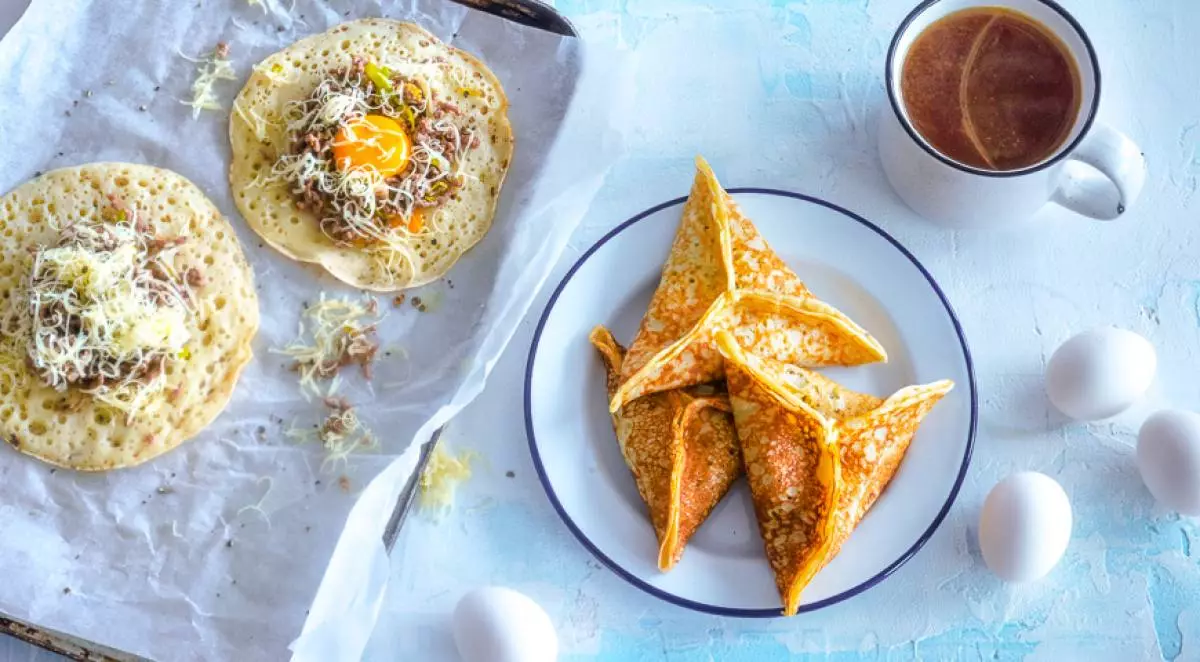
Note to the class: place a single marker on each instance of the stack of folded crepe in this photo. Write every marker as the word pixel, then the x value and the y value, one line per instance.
pixel 719 377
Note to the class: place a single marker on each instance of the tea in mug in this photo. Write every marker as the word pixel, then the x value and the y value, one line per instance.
pixel 991 88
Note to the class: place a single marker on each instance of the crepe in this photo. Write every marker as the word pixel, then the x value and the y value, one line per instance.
pixel 817 456
pixel 698 271
pixel 69 428
pixel 681 448
pixel 722 275
pixel 404 249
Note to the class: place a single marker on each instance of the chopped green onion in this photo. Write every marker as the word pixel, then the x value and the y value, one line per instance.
pixel 436 189
pixel 409 117
pixel 379 78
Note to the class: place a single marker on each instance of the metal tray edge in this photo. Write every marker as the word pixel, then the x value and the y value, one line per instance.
pixel 63 644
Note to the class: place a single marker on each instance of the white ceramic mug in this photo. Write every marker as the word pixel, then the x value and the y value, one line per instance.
pixel 959 195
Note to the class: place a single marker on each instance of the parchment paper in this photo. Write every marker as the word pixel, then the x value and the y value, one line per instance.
pixel 216 550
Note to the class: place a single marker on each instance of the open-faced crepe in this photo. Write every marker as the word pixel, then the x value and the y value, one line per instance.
pixel 372 149
pixel 817 456
pixel 681 448
pixel 129 313
pixel 721 274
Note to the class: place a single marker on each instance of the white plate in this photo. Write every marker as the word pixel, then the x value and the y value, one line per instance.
pixel 845 260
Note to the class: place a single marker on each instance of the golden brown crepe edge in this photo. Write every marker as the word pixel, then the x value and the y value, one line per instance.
pixel 790 588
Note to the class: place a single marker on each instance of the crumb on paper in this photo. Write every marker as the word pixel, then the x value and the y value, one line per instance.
pixel 429 303
pixel 510 474
pixel 433 301
pixel 442 476
pixel 344 483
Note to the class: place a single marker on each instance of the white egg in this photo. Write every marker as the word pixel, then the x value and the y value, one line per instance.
pixel 1100 373
pixel 1025 526
pixel 1168 456
pixel 495 624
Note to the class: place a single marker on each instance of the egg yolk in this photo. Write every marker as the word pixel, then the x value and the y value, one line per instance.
pixel 375 141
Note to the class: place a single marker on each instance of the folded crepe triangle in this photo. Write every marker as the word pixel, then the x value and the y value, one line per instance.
pixel 755 265
pixel 722 275
pixel 698 270
pixel 817 456
pixel 680 446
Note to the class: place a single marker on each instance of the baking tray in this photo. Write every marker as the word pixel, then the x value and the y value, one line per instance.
pixel 525 12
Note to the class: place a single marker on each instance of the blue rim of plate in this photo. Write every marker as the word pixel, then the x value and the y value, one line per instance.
pixel 717 609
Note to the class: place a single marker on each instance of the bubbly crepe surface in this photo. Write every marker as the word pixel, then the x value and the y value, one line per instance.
pixel 34 418
pixel 258 136
pixel 817 456
pixel 680 446
pixel 721 275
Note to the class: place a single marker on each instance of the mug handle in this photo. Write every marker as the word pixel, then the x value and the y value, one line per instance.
pixel 1121 166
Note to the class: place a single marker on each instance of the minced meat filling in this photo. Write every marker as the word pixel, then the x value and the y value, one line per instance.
pixel 436 130
pixel 96 304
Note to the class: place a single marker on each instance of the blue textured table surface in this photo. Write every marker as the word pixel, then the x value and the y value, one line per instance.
pixel 784 94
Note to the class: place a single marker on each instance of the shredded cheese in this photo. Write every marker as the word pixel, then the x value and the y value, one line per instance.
pixel 257 122
pixel 105 311
pixel 332 333
pixel 341 434
pixel 442 477
pixel 210 69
